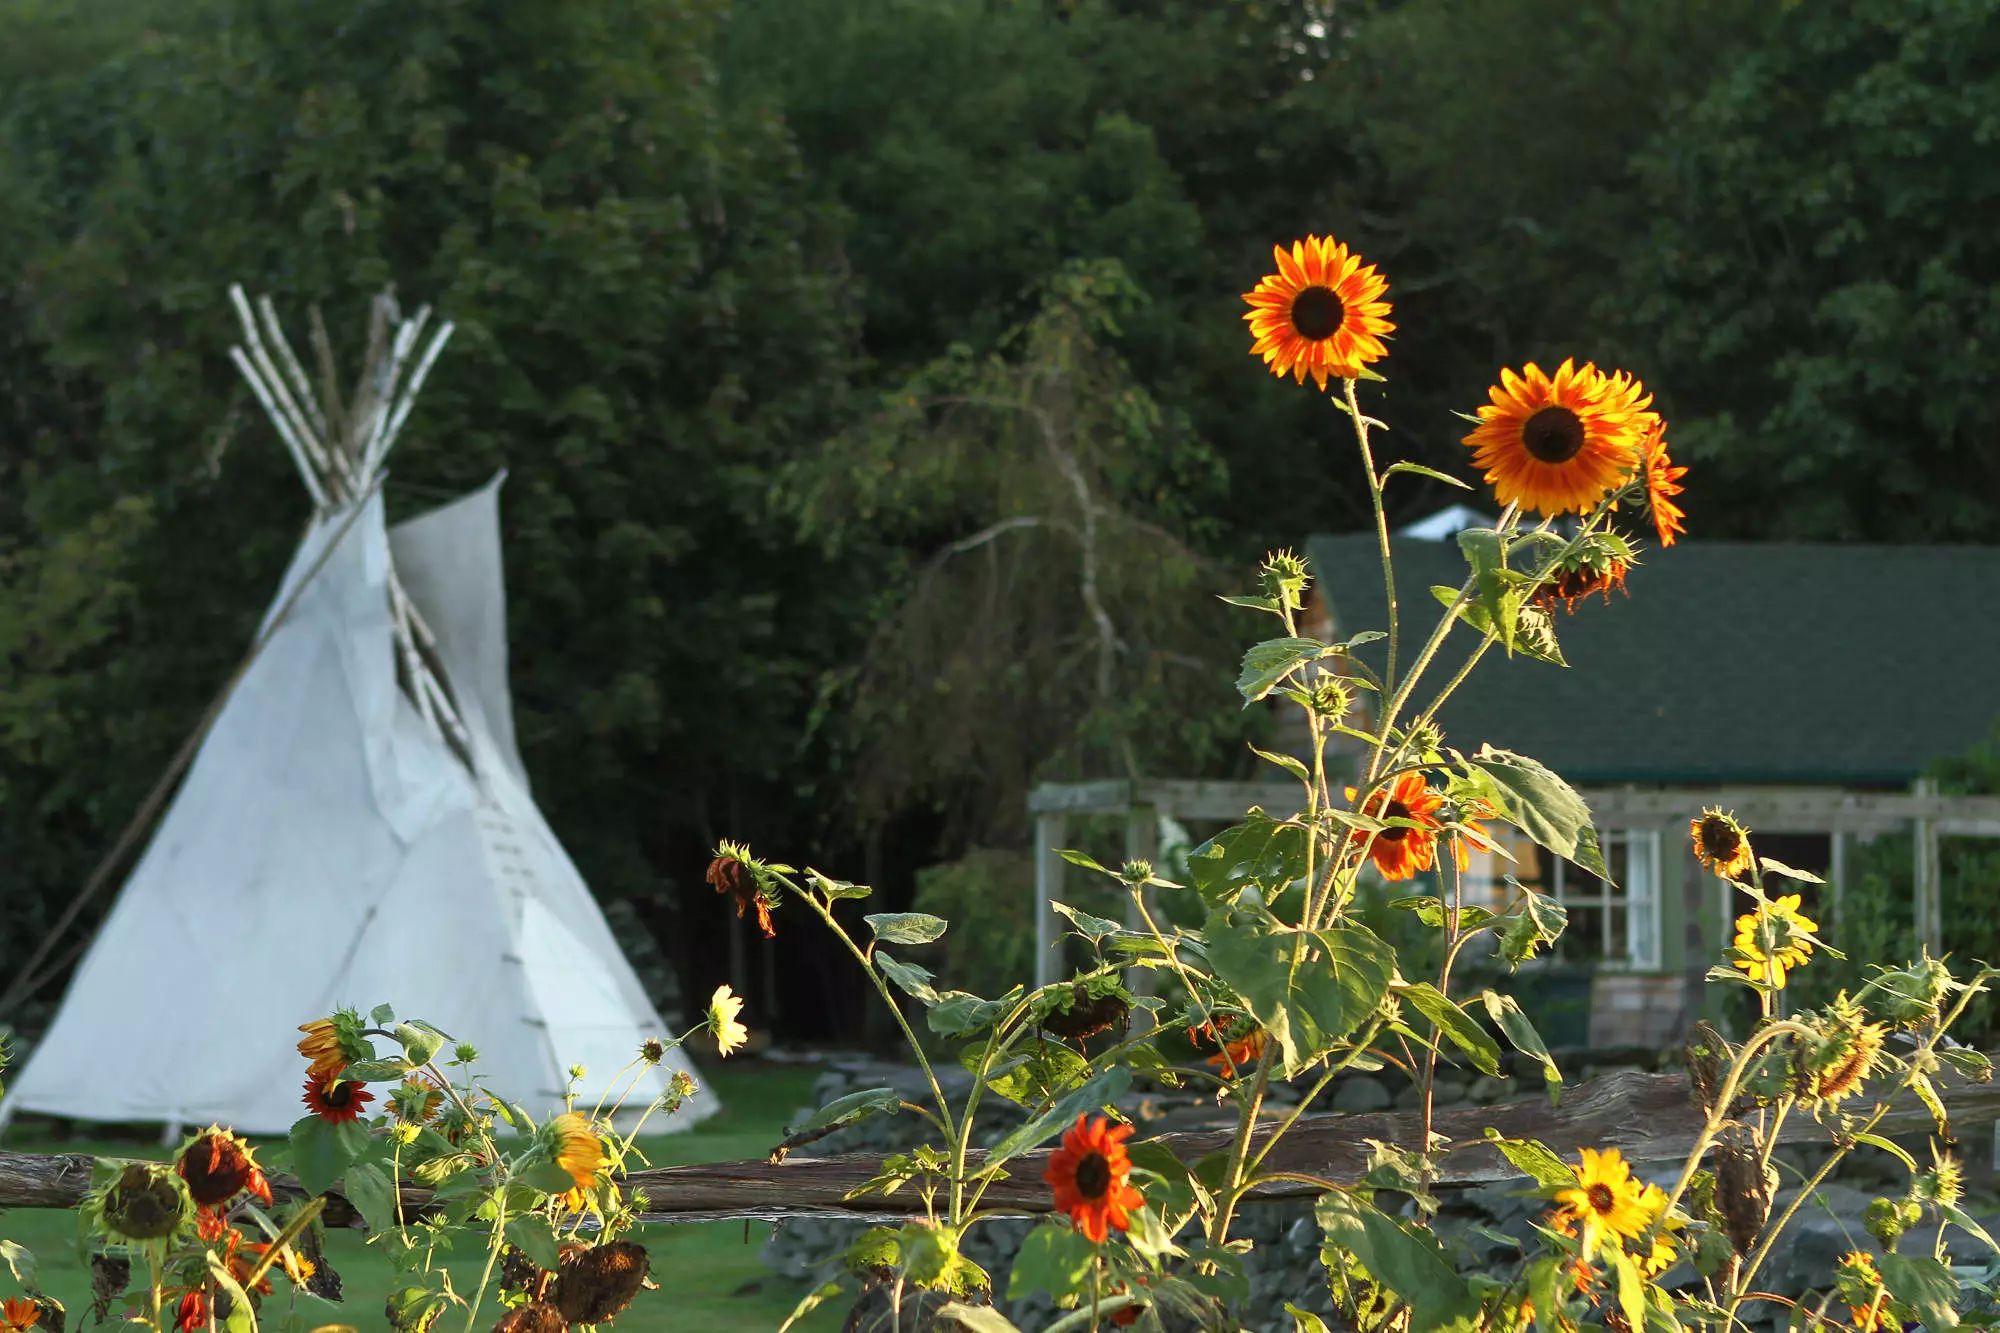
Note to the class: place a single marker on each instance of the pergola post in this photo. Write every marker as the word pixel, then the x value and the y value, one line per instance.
pixel 1050 832
pixel 1924 838
pixel 1142 843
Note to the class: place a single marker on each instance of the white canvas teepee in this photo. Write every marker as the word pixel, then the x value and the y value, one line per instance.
pixel 357 827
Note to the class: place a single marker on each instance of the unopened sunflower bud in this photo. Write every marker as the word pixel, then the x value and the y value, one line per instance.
pixel 464 1053
pixel 1136 873
pixel 1943 1184
pixel 1332 697
pixel 1884 1223
pixel 1427 741
pixel 1283 578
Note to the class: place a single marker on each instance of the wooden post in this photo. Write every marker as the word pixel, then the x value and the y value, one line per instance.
pixel 1924 840
pixel 1836 871
pixel 1142 843
pixel 1050 832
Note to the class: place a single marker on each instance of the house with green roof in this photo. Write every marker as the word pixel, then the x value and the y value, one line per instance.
pixel 1806 687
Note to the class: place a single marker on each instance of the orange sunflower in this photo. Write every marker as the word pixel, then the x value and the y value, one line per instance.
pixel 192 1312
pixel 334 1099
pixel 1399 853
pixel 19 1314
pixel 1662 484
pixel 1089 1174
pixel 1558 444
pixel 217 1166
pixel 1320 314
pixel 1572 585
pixel 1238 1051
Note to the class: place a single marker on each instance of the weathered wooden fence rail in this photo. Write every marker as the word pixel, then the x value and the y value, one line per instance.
pixel 1650 1117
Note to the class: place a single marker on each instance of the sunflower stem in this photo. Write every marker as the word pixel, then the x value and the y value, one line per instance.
pixel 1381 523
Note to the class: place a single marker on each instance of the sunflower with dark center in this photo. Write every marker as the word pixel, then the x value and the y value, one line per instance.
pixel 146 1202
pixel 1557 444
pixel 1399 851
pixel 1089 1175
pixel 732 874
pixel 1720 843
pixel 335 1100
pixel 1606 1201
pixel 1320 314
pixel 217 1166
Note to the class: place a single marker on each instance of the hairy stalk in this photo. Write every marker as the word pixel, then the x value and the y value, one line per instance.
pixel 1246 1127
pixel 888 997
pixel 1381 522
pixel 1354 1053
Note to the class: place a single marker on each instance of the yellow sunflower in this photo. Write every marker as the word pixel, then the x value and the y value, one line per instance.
pixel 1320 314
pixel 1720 843
pixel 1606 1200
pixel 723 1007
pixel 1772 941
pixel 1557 444
pixel 1660 1256
pixel 578 1150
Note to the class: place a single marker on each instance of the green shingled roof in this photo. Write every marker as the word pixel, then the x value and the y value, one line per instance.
pixel 1729 662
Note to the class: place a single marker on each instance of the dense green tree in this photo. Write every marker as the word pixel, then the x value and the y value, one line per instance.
pixel 1822 276
pixel 650 319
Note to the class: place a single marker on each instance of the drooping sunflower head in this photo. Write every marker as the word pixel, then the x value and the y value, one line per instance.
pixel 1844 1056
pixel 737 874
pixel 1606 1201
pixel 575 1147
pixel 1400 850
pixel 594 1284
pixel 217 1166
pixel 1557 444
pixel 1085 1009
pixel 1774 939
pixel 1720 843
pixel 336 1100
pixel 145 1204
pixel 1321 314
pixel 1089 1174
pixel 1596 567
pixel 334 1042
pixel 729 1033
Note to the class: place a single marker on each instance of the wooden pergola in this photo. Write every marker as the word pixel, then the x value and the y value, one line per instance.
pixel 1841 814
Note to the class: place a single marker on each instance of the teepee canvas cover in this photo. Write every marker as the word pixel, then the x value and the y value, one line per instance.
pixel 356 829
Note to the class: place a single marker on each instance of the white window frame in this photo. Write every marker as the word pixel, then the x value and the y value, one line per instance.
pixel 1639 897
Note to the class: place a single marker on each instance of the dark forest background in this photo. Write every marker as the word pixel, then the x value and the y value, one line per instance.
pixel 823 339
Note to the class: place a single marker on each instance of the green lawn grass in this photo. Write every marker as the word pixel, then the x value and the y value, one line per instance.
pixel 710 1273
